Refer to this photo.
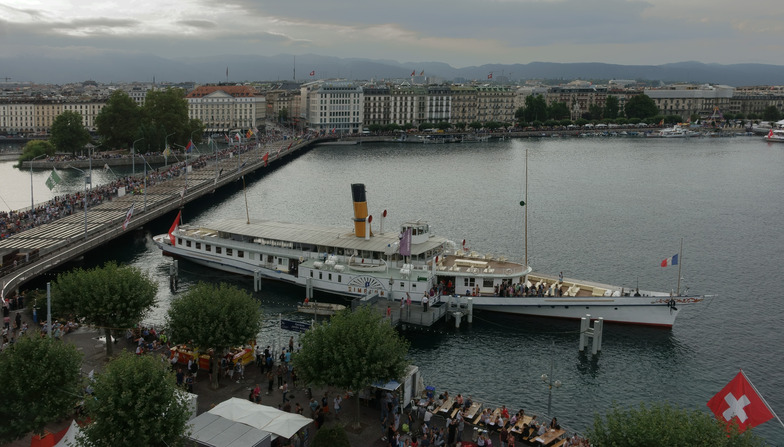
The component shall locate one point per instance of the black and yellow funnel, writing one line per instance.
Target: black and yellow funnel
(360, 209)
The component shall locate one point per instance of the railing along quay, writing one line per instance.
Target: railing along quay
(51, 244)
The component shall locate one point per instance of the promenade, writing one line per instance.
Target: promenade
(45, 246)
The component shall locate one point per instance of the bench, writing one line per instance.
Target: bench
(598, 291)
(558, 444)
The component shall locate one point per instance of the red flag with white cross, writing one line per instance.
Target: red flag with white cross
(739, 401)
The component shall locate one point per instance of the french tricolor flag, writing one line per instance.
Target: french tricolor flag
(673, 260)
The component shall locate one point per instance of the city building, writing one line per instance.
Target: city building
(226, 107)
(332, 106)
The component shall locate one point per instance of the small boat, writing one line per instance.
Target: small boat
(775, 136)
(321, 309)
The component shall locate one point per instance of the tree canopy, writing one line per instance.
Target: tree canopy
(641, 106)
(41, 382)
(118, 121)
(214, 317)
(558, 111)
(136, 402)
(111, 297)
(535, 108)
(36, 148)
(663, 424)
(165, 112)
(68, 133)
(351, 351)
(611, 107)
(331, 436)
(771, 113)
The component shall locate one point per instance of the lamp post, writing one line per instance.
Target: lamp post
(550, 384)
(145, 183)
(85, 198)
(133, 155)
(32, 202)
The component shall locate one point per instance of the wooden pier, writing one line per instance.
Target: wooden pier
(46, 246)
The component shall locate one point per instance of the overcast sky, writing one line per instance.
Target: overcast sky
(459, 32)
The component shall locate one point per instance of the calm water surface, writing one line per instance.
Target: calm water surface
(601, 209)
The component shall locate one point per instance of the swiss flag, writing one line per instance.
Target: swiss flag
(313, 73)
(265, 158)
(413, 73)
(490, 76)
(740, 402)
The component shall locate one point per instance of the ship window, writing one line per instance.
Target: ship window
(229, 252)
(252, 255)
(320, 275)
(340, 278)
(187, 243)
(179, 241)
(198, 245)
(487, 283)
(469, 282)
(218, 250)
(240, 254)
(402, 284)
(311, 273)
(208, 247)
(413, 286)
(269, 258)
(330, 276)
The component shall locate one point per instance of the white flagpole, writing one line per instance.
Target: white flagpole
(763, 399)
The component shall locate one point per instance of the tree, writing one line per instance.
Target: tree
(136, 402)
(41, 380)
(535, 108)
(558, 111)
(110, 297)
(641, 106)
(118, 122)
(36, 148)
(663, 424)
(68, 132)
(771, 113)
(351, 351)
(214, 317)
(476, 125)
(595, 111)
(611, 107)
(331, 436)
(165, 112)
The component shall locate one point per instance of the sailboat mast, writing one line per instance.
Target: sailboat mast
(526, 207)
(680, 264)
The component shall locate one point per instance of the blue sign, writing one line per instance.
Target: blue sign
(296, 326)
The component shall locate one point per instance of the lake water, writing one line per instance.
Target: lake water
(603, 209)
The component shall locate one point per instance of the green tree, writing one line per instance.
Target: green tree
(425, 126)
(351, 351)
(283, 115)
(611, 107)
(118, 122)
(214, 317)
(535, 108)
(165, 112)
(68, 132)
(331, 436)
(771, 113)
(595, 112)
(663, 424)
(443, 125)
(36, 148)
(494, 125)
(476, 125)
(641, 106)
(112, 297)
(136, 402)
(41, 382)
(558, 111)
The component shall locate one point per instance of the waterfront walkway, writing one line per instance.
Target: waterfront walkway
(37, 250)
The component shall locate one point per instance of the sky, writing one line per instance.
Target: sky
(460, 33)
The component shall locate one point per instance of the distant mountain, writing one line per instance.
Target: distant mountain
(145, 67)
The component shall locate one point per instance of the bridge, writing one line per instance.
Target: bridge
(30, 253)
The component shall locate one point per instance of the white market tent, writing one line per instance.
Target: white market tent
(216, 431)
(69, 439)
(262, 417)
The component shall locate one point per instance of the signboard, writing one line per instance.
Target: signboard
(296, 326)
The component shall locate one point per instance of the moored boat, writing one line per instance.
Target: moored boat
(407, 264)
(320, 309)
(775, 136)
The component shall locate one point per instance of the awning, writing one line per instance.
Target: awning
(263, 417)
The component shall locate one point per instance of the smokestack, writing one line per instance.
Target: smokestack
(360, 209)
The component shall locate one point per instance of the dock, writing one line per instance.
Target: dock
(46, 246)
(414, 315)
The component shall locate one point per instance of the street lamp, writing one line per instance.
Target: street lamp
(145, 183)
(133, 155)
(550, 384)
(32, 202)
(85, 198)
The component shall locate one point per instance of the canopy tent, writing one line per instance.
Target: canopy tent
(262, 417)
(69, 439)
(216, 431)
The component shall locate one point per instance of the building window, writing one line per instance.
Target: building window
(218, 250)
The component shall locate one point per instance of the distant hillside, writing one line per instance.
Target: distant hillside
(122, 67)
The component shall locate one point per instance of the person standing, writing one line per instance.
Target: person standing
(285, 390)
(425, 302)
(336, 405)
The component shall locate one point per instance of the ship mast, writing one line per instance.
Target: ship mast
(680, 264)
(523, 203)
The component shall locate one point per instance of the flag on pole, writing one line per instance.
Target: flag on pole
(490, 76)
(174, 227)
(265, 158)
(189, 147)
(422, 73)
(128, 217)
(53, 180)
(249, 133)
(740, 402)
(313, 73)
(239, 138)
(672, 260)
(106, 167)
(413, 73)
